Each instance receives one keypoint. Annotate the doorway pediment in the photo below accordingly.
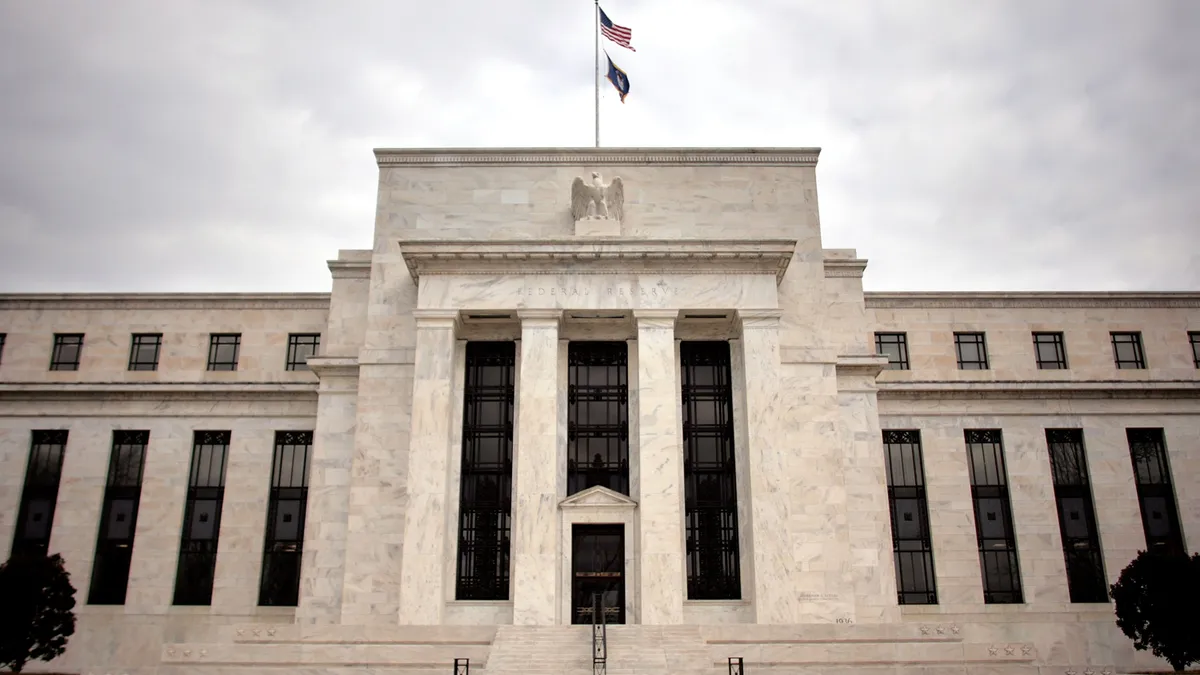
(597, 497)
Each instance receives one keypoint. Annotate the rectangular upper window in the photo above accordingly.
(1050, 350)
(1127, 350)
(1193, 337)
(66, 352)
(143, 351)
(972, 351)
(223, 351)
(2, 337)
(300, 347)
(895, 347)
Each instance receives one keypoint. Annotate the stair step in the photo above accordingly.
(321, 654)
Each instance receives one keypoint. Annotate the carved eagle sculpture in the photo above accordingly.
(597, 200)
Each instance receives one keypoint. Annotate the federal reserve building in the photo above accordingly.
(610, 410)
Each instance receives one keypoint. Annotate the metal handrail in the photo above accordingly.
(599, 636)
(462, 666)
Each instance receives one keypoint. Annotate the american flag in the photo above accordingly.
(618, 34)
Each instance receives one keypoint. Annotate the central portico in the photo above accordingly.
(568, 389)
(597, 470)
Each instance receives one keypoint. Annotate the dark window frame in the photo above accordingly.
(137, 341)
(1152, 476)
(486, 472)
(912, 556)
(122, 497)
(1193, 338)
(998, 554)
(279, 582)
(900, 341)
(62, 342)
(597, 415)
(1058, 343)
(977, 339)
(218, 340)
(196, 570)
(43, 475)
(297, 340)
(1082, 552)
(1134, 340)
(3, 339)
(713, 552)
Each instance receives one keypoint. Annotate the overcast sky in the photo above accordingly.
(212, 145)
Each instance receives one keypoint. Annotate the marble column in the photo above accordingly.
(535, 486)
(767, 467)
(660, 470)
(422, 583)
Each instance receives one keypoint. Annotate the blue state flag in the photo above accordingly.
(618, 77)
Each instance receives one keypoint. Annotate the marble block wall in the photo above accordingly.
(378, 492)
(867, 512)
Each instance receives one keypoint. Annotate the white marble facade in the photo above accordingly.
(713, 244)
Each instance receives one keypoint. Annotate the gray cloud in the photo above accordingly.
(199, 145)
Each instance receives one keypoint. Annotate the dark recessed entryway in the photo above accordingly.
(598, 567)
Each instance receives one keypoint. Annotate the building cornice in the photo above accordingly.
(426, 157)
(1039, 389)
(1032, 300)
(868, 365)
(845, 267)
(349, 269)
(599, 256)
(328, 367)
(144, 301)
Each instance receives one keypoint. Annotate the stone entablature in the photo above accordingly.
(598, 256)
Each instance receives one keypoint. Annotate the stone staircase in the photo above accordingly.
(941, 648)
(656, 650)
(830, 649)
(540, 650)
(260, 649)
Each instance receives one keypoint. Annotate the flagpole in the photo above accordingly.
(596, 75)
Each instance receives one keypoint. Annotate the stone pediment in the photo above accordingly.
(597, 497)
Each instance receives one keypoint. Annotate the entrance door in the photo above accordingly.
(598, 566)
